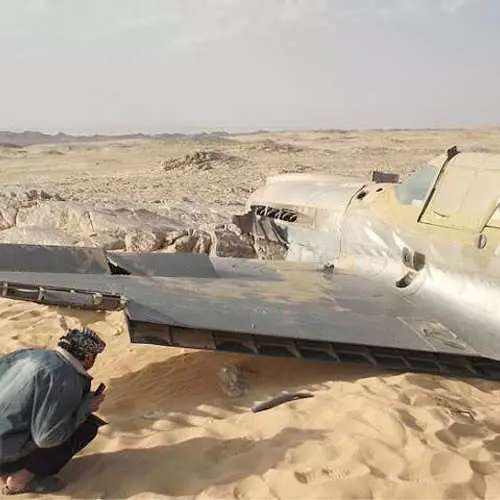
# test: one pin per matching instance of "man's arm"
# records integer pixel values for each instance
(58, 409)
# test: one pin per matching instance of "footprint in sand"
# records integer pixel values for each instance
(493, 446)
(20, 313)
(336, 474)
(432, 467)
(459, 434)
(485, 468)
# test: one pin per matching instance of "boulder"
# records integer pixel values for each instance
(188, 241)
(66, 216)
(106, 241)
(7, 217)
(69, 223)
(122, 220)
(228, 243)
(143, 240)
(38, 236)
(136, 230)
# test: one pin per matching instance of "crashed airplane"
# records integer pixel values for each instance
(402, 275)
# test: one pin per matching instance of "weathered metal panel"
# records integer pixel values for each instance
(463, 198)
(52, 259)
(383, 358)
(295, 302)
(320, 201)
(351, 313)
(168, 265)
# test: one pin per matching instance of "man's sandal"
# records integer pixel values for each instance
(42, 485)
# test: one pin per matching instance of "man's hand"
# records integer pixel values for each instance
(95, 402)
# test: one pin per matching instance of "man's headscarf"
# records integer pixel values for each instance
(81, 342)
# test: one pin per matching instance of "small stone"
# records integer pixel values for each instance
(155, 415)
(7, 217)
(233, 380)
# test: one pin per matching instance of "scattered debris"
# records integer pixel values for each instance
(329, 268)
(280, 399)
(269, 250)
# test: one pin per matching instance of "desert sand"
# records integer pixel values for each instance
(173, 432)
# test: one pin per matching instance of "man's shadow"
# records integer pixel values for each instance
(187, 387)
(182, 468)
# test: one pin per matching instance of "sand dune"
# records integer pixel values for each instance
(365, 434)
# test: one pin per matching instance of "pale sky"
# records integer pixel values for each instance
(116, 66)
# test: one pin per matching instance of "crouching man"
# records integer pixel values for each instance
(46, 411)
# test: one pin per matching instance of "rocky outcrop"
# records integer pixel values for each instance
(72, 224)
(69, 223)
(221, 242)
(270, 146)
(41, 195)
(203, 160)
(68, 217)
(37, 236)
(83, 221)
(124, 220)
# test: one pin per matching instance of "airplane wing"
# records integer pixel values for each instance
(273, 308)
